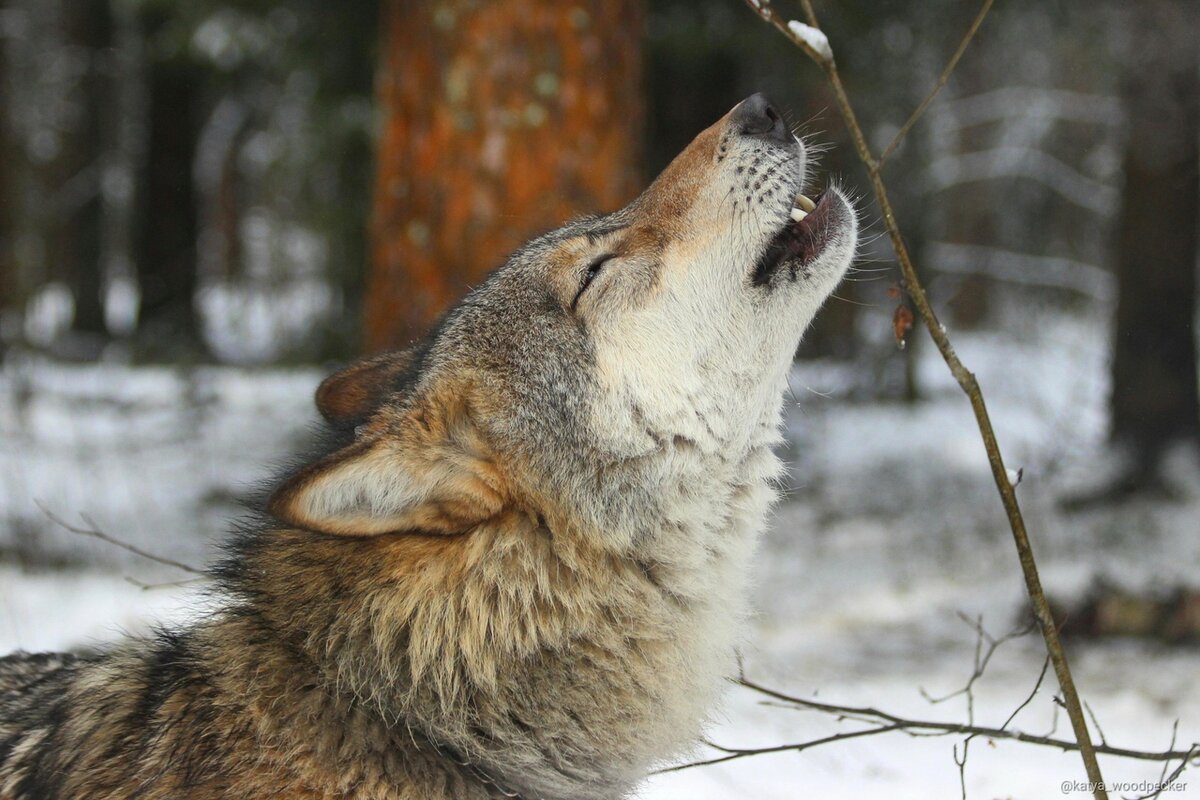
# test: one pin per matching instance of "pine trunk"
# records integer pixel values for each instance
(501, 120)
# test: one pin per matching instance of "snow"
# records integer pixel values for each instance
(46, 611)
(891, 529)
(251, 322)
(161, 457)
(813, 37)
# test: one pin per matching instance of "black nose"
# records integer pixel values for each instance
(755, 116)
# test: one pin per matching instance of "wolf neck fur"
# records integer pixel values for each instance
(466, 632)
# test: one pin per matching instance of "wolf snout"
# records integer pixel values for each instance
(757, 116)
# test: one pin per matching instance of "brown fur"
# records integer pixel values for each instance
(519, 568)
(349, 396)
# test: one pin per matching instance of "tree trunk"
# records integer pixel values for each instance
(75, 247)
(1154, 395)
(501, 120)
(165, 243)
(9, 316)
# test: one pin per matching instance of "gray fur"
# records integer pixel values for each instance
(522, 569)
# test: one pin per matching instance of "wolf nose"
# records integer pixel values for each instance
(755, 116)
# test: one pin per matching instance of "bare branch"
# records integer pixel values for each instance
(1165, 780)
(1032, 694)
(886, 722)
(733, 754)
(970, 386)
(1096, 722)
(1054, 708)
(94, 531)
(764, 10)
(914, 728)
(961, 763)
(937, 87)
(147, 587)
(982, 657)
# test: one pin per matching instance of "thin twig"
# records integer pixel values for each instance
(970, 386)
(1033, 693)
(148, 587)
(937, 87)
(1165, 780)
(982, 658)
(797, 747)
(1054, 715)
(94, 531)
(961, 763)
(1096, 722)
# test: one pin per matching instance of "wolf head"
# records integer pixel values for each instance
(535, 544)
(567, 382)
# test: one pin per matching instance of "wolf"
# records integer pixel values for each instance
(520, 566)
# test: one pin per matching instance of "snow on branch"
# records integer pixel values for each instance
(815, 38)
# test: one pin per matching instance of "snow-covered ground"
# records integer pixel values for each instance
(891, 530)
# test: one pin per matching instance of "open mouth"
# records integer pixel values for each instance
(801, 240)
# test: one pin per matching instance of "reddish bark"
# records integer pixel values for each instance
(501, 120)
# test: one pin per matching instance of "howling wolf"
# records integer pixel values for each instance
(519, 568)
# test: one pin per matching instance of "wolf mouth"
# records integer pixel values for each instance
(810, 226)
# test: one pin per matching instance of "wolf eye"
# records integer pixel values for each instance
(590, 275)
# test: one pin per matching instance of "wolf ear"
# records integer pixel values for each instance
(415, 473)
(347, 397)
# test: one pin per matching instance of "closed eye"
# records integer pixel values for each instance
(590, 275)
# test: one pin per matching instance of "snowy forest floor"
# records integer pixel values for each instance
(890, 531)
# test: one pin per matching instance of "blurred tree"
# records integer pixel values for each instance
(1154, 394)
(165, 243)
(500, 120)
(8, 203)
(340, 44)
(75, 244)
(283, 164)
(127, 177)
